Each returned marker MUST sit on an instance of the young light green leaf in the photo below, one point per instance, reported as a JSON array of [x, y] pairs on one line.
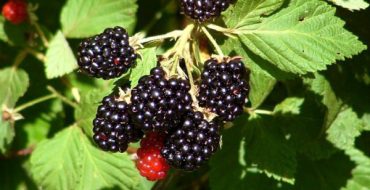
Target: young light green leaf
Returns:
[[60, 59], [70, 152], [82, 18], [147, 61], [361, 174], [304, 37], [261, 81], [6, 134], [344, 129], [351, 4], [55, 163], [16, 81]]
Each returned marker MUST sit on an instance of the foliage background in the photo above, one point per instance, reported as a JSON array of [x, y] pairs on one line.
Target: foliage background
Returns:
[[317, 138]]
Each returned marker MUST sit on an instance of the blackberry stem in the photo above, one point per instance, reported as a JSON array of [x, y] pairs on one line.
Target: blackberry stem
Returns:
[[213, 41], [19, 58], [61, 97], [252, 111], [41, 33], [226, 31], [34, 102], [173, 34], [38, 55]]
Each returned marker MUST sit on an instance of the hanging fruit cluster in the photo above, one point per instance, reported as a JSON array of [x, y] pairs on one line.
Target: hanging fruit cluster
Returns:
[[177, 114]]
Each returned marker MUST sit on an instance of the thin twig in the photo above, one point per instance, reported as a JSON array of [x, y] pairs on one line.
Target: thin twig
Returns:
[[63, 98], [41, 34], [213, 41], [38, 55], [20, 57], [173, 34], [34, 102]]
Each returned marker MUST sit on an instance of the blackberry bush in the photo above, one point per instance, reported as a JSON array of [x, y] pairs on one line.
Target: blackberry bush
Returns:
[[113, 127], [224, 88], [107, 55], [193, 143], [203, 10], [158, 103]]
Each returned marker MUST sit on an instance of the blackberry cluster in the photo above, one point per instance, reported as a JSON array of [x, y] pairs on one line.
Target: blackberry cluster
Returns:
[[107, 55], [113, 127], [203, 10], [158, 103], [224, 88], [193, 143]]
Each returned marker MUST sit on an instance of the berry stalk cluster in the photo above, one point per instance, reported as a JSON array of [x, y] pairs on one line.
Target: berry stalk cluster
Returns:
[[177, 121]]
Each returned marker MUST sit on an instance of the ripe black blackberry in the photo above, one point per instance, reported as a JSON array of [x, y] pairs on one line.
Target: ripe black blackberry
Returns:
[[224, 88], [113, 127], [202, 10], [106, 55], [192, 144], [159, 103]]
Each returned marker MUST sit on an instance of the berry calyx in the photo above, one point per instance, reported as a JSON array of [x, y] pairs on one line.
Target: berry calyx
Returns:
[[107, 55], [113, 127], [15, 11], [192, 144], [224, 88], [203, 10], [159, 103], [150, 162]]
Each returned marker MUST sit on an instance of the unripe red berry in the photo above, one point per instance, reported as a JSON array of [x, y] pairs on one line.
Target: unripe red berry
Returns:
[[15, 11]]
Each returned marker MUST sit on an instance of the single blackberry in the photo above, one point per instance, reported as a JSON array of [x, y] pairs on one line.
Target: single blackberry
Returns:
[[151, 163], [158, 103], [224, 88], [107, 55], [113, 127], [203, 10], [192, 144]]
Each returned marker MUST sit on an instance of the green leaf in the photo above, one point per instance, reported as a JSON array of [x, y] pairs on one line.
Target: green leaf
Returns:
[[324, 174], [321, 86], [344, 129], [270, 149], [16, 81], [351, 4], [261, 81], [144, 65], [105, 170], [6, 134], [82, 19], [246, 12], [3, 36], [70, 152], [301, 121], [53, 159], [86, 111], [361, 174], [304, 37], [60, 59], [13, 34]]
